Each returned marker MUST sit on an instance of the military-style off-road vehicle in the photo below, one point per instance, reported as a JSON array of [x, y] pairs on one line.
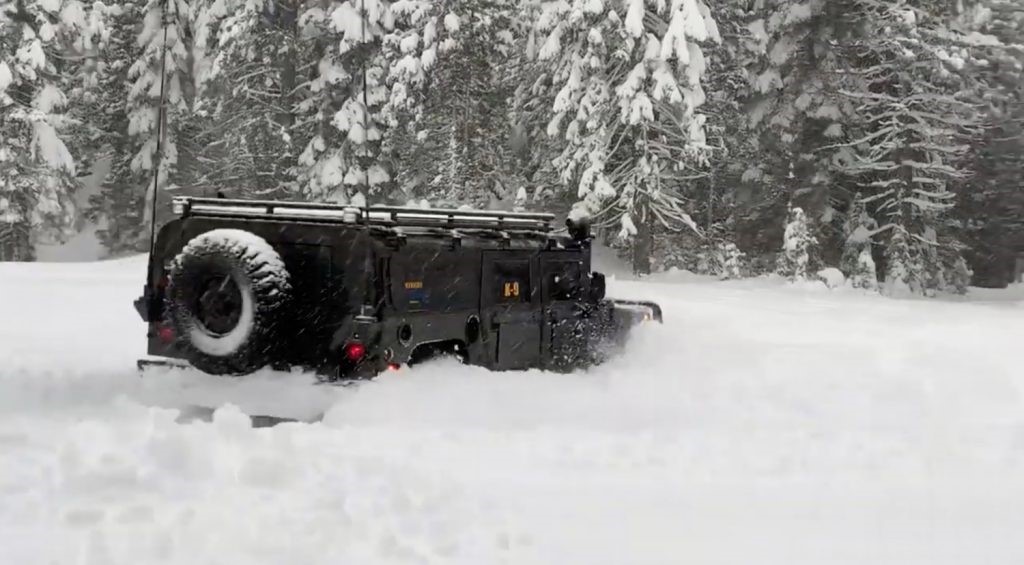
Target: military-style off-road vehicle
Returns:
[[350, 292]]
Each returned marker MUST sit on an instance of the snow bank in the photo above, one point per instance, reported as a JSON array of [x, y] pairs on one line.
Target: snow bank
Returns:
[[760, 424]]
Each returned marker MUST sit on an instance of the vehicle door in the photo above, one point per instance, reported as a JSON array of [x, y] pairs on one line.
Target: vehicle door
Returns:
[[562, 292], [510, 304]]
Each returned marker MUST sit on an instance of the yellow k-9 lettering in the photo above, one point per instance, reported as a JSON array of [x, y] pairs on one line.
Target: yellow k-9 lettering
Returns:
[[511, 289]]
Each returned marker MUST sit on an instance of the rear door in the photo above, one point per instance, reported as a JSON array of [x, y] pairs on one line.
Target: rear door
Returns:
[[317, 300], [510, 301]]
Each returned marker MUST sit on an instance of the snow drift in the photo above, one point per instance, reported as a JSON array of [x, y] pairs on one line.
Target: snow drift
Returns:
[[760, 424]]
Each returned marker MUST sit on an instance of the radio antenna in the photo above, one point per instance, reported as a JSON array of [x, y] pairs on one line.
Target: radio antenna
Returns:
[[161, 117], [366, 105]]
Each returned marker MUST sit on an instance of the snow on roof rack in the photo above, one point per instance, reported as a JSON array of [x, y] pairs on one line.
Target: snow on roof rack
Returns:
[[389, 216]]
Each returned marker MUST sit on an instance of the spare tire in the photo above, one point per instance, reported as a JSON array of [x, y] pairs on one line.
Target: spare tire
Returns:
[[227, 292]]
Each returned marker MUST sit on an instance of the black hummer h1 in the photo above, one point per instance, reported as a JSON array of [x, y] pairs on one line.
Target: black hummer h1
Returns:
[[235, 285]]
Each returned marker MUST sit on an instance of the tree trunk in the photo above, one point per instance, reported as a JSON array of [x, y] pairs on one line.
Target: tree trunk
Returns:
[[643, 244], [15, 243]]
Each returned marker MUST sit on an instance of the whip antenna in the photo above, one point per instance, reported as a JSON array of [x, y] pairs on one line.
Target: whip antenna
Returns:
[[161, 117], [366, 105]]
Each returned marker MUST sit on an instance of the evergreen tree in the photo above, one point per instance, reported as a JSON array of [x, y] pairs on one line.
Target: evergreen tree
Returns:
[[731, 196], [342, 104], [903, 270], [628, 79], [796, 107], [248, 98], [451, 91], [862, 270], [46, 48], [914, 129], [164, 67], [856, 262], [908, 112], [794, 262], [119, 207], [731, 261], [990, 206]]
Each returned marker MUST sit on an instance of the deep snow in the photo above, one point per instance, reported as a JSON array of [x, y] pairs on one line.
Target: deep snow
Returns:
[[761, 424]]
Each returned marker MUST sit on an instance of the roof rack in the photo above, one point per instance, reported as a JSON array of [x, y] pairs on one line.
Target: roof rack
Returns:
[[388, 216]]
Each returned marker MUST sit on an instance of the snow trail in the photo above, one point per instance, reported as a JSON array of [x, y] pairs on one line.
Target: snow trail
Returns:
[[760, 424]]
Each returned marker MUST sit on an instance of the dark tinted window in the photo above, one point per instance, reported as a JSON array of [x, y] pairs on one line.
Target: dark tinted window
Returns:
[[564, 280], [435, 280]]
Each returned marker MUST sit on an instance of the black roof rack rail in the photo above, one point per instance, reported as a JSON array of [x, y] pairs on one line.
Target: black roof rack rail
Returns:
[[389, 216]]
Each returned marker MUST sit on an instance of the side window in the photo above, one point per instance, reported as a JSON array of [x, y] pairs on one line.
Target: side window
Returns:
[[564, 280], [512, 281], [434, 280]]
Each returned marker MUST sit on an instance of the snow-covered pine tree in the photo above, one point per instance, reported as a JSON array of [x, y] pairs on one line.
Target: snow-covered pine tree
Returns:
[[341, 105], [411, 49], [136, 72], [794, 262], [795, 107], [119, 207], [856, 262], [533, 150], [628, 76], [725, 191], [990, 206], [46, 48], [903, 271], [863, 271], [450, 94], [247, 96], [913, 128], [731, 260], [957, 273], [165, 60]]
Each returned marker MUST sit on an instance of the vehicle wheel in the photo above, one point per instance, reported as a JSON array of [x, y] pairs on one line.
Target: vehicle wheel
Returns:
[[227, 293]]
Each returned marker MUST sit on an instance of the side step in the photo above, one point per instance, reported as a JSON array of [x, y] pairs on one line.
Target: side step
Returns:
[[144, 364]]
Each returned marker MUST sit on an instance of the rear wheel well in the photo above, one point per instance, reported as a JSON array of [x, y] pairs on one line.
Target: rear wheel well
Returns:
[[439, 349]]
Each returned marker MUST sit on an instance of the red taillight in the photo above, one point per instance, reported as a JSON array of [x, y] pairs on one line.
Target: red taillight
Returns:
[[355, 351], [394, 366], [165, 334]]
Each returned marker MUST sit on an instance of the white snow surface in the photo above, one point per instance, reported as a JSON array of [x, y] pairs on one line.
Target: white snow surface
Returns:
[[761, 424], [832, 277]]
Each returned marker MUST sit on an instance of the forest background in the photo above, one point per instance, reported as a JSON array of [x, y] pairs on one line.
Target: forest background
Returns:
[[882, 138]]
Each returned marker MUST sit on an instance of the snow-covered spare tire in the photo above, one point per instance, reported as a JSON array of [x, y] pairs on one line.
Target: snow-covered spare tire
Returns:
[[227, 292]]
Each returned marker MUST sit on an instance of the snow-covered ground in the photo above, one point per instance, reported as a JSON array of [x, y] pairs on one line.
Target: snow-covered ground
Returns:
[[760, 425]]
